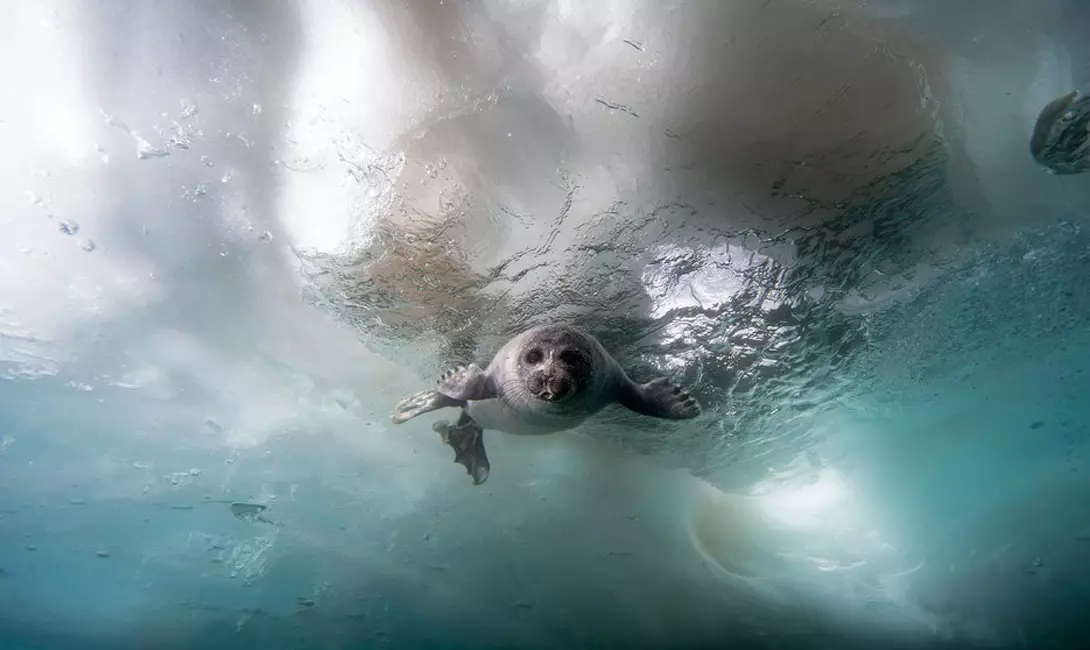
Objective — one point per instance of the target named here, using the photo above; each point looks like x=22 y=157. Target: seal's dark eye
x=534 y=356
x=569 y=358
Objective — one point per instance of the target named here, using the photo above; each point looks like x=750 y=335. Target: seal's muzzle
x=550 y=384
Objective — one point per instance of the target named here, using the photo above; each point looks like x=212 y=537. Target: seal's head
x=555 y=364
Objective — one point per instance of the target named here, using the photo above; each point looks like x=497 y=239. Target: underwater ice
x=236 y=233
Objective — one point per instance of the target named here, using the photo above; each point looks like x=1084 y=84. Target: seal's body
x=548 y=379
x=497 y=415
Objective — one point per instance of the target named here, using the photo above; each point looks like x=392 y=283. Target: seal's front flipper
x=466 y=383
x=467 y=440
x=421 y=403
x=659 y=398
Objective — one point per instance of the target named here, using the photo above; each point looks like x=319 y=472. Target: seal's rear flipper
x=422 y=403
x=658 y=398
x=467 y=440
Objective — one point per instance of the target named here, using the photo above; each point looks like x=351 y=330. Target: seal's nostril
x=558 y=386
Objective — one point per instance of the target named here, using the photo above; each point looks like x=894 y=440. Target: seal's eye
x=534 y=356
x=570 y=358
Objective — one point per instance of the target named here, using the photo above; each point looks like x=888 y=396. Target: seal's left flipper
x=466 y=383
x=658 y=398
x=467 y=439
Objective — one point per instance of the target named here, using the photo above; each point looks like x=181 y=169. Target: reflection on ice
x=705 y=278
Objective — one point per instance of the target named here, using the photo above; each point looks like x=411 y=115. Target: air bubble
x=189 y=109
x=145 y=150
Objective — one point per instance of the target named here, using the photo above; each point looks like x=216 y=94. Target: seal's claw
x=467 y=440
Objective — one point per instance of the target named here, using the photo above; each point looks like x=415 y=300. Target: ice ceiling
x=236 y=233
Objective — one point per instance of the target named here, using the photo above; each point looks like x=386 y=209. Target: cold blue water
x=236 y=234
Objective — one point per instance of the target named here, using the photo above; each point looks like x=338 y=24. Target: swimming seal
x=549 y=378
x=1061 y=136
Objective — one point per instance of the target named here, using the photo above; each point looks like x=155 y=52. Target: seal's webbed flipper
x=658 y=398
x=466 y=383
x=422 y=403
x=467 y=439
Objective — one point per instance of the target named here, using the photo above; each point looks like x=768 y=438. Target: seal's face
x=554 y=369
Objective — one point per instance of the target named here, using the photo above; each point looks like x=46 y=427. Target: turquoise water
x=236 y=234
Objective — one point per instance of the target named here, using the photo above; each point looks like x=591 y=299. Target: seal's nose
x=555 y=387
x=551 y=386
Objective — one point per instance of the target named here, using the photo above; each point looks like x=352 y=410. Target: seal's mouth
x=551 y=386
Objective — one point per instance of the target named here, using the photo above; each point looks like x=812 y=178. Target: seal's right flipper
x=466 y=383
x=422 y=403
x=659 y=398
x=467 y=440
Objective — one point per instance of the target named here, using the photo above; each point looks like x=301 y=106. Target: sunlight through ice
x=54 y=276
x=826 y=501
x=338 y=123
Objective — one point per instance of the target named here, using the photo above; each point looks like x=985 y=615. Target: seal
x=547 y=379
x=1061 y=136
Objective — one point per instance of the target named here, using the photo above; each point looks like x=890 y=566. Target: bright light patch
x=717 y=275
x=42 y=112
x=351 y=99
x=825 y=501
